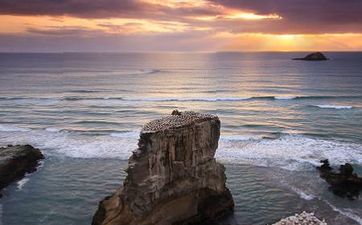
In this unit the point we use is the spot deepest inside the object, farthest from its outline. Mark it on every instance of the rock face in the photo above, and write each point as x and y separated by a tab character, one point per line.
173	178
315	56
344	183
17	160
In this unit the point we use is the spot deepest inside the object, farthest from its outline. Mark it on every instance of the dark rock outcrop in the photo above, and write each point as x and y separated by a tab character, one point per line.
315	56
16	161
172	178
344	183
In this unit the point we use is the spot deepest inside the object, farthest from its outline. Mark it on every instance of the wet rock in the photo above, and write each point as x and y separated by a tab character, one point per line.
315	56
172	177
16	161
344	183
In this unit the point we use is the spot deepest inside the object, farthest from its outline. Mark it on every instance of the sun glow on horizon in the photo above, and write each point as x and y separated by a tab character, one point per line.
178	24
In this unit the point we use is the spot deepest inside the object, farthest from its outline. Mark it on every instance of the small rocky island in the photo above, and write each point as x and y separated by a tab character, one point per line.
172	177
315	56
16	161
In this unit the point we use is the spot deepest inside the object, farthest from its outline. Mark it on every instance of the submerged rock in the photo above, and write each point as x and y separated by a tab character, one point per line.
315	56
344	183
172	178
301	219
16	161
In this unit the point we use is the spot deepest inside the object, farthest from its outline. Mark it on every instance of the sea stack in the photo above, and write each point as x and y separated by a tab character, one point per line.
172	177
16	161
315	56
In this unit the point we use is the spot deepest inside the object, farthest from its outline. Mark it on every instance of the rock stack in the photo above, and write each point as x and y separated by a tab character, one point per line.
172	178
16	161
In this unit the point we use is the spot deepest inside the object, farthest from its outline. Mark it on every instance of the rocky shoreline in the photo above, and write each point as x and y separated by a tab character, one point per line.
173	177
16	161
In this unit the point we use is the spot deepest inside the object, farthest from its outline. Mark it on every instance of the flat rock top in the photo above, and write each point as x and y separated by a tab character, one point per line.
301	219
176	120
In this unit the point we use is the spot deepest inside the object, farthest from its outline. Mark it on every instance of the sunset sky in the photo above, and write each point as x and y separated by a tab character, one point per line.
180	25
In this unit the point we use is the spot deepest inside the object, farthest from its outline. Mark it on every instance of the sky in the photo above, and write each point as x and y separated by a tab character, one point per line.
180	25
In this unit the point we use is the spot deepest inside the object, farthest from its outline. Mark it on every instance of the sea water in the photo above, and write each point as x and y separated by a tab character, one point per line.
85	110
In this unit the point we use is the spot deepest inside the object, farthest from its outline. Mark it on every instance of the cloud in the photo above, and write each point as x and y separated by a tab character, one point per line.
303	16
63	31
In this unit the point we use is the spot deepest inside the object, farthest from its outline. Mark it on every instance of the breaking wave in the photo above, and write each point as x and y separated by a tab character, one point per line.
291	152
334	106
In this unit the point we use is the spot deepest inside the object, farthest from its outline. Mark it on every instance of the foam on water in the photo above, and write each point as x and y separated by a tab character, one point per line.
72	144
11	128
53	129
131	134
346	212
292	152
334	106
285	97
303	194
22	182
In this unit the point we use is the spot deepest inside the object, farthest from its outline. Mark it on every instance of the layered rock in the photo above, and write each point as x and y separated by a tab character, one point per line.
315	56
16	161
173	178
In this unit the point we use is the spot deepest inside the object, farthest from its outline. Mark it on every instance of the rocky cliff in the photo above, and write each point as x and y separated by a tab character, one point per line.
173	178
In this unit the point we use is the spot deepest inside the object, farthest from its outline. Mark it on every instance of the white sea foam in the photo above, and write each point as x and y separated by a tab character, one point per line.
285	97
11	128
346	212
226	99
334	106
303	194
292	152
74	145
131	134
22	182
52	129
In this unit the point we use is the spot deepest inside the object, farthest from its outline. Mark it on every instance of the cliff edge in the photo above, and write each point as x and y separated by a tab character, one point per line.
172	177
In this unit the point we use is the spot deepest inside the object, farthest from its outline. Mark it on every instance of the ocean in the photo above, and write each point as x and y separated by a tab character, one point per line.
85	111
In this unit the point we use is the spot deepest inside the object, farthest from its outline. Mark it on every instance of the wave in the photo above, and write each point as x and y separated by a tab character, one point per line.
334	106
136	72
11	128
291	152
130	134
53	101
53	129
234	99
83	91
346	212
302	194
22	182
